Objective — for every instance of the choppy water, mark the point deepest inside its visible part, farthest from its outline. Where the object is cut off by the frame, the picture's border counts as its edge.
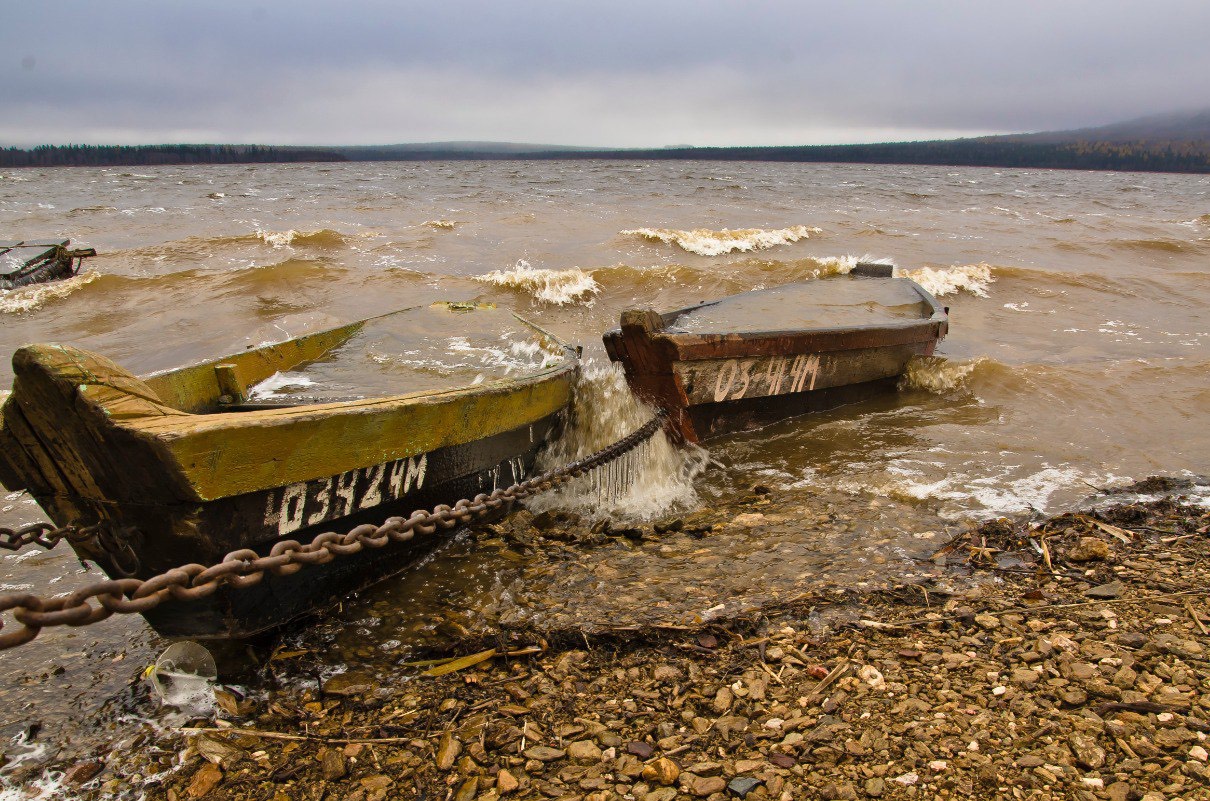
(1079, 354)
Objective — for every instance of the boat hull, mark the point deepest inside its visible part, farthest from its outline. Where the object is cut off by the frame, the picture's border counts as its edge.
(445, 476)
(172, 470)
(710, 384)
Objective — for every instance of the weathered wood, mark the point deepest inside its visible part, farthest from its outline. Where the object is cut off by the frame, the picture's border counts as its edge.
(95, 444)
(229, 385)
(711, 383)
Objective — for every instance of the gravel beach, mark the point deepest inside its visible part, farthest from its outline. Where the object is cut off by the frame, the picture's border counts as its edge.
(1054, 659)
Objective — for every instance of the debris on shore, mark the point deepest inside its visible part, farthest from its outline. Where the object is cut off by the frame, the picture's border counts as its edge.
(1077, 667)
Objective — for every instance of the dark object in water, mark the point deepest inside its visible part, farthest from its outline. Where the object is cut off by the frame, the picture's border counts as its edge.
(761, 356)
(188, 465)
(49, 261)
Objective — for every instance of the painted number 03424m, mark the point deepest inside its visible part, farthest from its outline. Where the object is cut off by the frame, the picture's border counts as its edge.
(780, 375)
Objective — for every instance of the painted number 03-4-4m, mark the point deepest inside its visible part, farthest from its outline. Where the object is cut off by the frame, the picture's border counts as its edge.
(780, 375)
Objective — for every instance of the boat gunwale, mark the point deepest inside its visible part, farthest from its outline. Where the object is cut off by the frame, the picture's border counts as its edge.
(714, 345)
(569, 359)
(937, 314)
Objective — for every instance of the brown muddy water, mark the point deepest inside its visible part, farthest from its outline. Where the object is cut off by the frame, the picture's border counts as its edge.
(1079, 354)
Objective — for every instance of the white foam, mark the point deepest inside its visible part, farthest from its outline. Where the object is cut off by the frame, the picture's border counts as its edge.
(277, 239)
(441, 225)
(28, 298)
(560, 287)
(938, 375)
(658, 478)
(973, 278)
(706, 242)
(274, 384)
(1003, 491)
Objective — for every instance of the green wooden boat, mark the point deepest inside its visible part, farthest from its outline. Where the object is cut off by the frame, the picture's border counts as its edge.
(187, 465)
(25, 263)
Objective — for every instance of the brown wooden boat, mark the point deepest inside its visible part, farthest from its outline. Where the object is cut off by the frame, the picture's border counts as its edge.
(750, 359)
(25, 263)
(188, 465)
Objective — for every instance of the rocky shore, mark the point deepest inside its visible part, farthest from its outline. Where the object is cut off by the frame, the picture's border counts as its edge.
(1077, 666)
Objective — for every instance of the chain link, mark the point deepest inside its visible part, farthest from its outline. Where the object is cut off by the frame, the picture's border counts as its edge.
(47, 535)
(244, 568)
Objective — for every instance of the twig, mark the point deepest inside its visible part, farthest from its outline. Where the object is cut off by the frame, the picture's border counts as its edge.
(772, 675)
(277, 735)
(1038, 733)
(828, 679)
(1196, 620)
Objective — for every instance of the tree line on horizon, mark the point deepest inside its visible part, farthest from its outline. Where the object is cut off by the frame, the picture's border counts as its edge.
(1147, 156)
(149, 155)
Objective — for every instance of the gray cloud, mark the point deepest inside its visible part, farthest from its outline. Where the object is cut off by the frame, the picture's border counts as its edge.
(623, 73)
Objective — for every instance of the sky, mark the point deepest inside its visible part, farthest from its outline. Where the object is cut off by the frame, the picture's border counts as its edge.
(624, 73)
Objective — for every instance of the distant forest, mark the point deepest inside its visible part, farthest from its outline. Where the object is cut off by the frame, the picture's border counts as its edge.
(145, 155)
(1143, 155)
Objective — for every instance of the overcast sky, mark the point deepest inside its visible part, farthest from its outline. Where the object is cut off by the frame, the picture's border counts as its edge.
(618, 73)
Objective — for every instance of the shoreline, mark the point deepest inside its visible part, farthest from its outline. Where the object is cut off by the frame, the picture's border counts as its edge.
(1079, 669)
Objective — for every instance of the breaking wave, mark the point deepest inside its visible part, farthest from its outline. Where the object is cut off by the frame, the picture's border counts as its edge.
(28, 298)
(559, 287)
(323, 238)
(939, 375)
(973, 278)
(441, 225)
(705, 242)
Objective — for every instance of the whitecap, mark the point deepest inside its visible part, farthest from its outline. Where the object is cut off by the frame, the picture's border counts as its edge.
(706, 242)
(559, 287)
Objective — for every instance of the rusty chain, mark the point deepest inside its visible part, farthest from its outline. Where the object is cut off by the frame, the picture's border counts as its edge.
(244, 568)
(47, 535)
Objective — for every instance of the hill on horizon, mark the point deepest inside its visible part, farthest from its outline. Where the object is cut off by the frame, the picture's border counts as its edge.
(1175, 126)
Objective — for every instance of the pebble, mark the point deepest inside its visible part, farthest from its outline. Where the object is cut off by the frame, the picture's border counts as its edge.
(544, 753)
(1089, 549)
(742, 785)
(662, 771)
(1113, 589)
(584, 751)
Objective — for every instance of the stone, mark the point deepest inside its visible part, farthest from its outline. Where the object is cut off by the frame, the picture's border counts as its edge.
(206, 779)
(662, 771)
(1199, 753)
(84, 772)
(584, 751)
(544, 753)
(783, 760)
(666, 673)
(661, 794)
(1025, 677)
(875, 787)
(1089, 549)
(640, 749)
(349, 683)
(506, 782)
(1113, 589)
(468, 790)
(703, 786)
(988, 622)
(1125, 677)
(740, 786)
(1088, 753)
(448, 749)
(723, 700)
(332, 763)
